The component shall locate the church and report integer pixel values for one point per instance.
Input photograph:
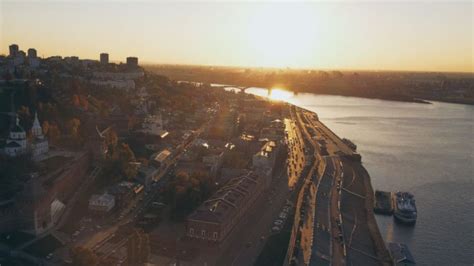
(17, 143)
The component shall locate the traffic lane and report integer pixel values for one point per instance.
(322, 226)
(359, 244)
(322, 236)
(336, 223)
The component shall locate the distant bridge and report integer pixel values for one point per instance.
(240, 88)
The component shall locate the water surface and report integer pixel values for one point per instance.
(426, 149)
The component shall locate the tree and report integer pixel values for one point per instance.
(45, 127)
(111, 138)
(53, 133)
(75, 100)
(188, 191)
(73, 127)
(25, 116)
(118, 164)
(84, 103)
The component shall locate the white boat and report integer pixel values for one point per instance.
(405, 207)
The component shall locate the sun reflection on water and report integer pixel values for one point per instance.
(278, 94)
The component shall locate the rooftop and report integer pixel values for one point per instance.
(224, 203)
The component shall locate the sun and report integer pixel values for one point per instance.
(278, 94)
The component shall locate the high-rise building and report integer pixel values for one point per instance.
(32, 53)
(13, 50)
(132, 61)
(104, 58)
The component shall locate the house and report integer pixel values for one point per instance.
(103, 203)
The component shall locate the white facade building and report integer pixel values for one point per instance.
(17, 143)
(39, 144)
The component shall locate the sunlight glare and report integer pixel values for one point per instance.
(278, 94)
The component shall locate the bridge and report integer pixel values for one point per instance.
(239, 88)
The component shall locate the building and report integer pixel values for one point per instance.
(217, 216)
(274, 132)
(14, 50)
(213, 160)
(33, 62)
(115, 84)
(132, 61)
(34, 205)
(104, 58)
(161, 159)
(265, 158)
(32, 53)
(16, 143)
(39, 144)
(101, 203)
(146, 175)
(39, 205)
(125, 192)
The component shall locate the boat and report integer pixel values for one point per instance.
(405, 208)
(400, 254)
(383, 203)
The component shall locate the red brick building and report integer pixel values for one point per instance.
(215, 218)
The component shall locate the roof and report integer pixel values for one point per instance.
(12, 144)
(162, 156)
(225, 203)
(102, 197)
(400, 253)
(17, 129)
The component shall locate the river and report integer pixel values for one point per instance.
(426, 149)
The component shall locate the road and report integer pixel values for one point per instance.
(344, 228)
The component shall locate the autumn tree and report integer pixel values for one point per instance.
(73, 127)
(187, 191)
(118, 164)
(45, 126)
(53, 133)
(75, 100)
(25, 116)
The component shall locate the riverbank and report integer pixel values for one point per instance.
(385, 85)
(395, 140)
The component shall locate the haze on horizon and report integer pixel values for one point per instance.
(404, 35)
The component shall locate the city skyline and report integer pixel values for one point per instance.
(405, 36)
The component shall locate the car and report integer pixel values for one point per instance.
(278, 222)
(282, 215)
(276, 229)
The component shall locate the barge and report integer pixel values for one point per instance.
(383, 202)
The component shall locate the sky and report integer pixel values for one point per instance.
(400, 35)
